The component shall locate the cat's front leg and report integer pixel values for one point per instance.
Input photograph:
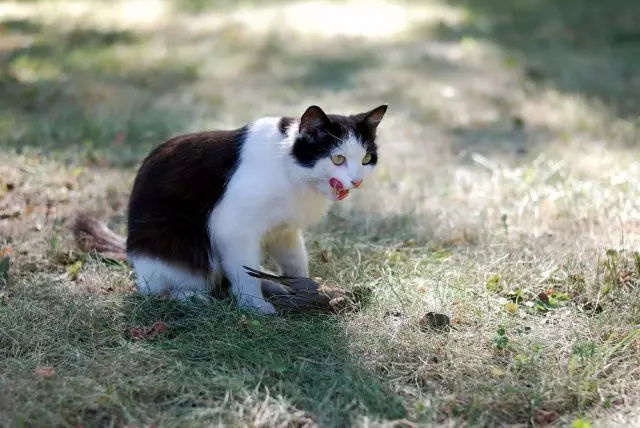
(286, 246)
(234, 253)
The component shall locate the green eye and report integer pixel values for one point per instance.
(337, 159)
(366, 159)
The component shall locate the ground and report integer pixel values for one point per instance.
(507, 197)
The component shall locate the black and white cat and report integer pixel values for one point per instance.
(204, 205)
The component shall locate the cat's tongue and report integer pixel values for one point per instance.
(338, 187)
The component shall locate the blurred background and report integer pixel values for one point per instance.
(527, 109)
(506, 79)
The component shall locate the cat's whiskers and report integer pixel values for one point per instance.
(337, 138)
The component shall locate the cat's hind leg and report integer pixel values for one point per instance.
(156, 277)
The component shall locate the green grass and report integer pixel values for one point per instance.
(506, 198)
(209, 367)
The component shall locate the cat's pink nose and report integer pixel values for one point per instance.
(356, 183)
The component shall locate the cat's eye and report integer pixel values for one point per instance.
(338, 159)
(366, 159)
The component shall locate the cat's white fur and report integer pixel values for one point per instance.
(269, 201)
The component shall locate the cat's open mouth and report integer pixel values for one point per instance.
(339, 192)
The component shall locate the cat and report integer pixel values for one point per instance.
(205, 205)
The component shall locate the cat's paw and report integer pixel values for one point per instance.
(258, 305)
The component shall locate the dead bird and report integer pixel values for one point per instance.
(302, 294)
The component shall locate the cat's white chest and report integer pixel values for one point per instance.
(307, 208)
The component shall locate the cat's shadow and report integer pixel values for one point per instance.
(304, 359)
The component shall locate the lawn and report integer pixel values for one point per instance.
(507, 197)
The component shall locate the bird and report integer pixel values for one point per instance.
(302, 294)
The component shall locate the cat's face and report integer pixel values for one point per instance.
(337, 152)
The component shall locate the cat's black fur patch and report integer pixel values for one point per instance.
(312, 146)
(175, 190)
(284, 124)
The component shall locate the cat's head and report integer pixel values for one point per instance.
(336, 152)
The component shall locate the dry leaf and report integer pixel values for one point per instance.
(137, 333)
(44, 372)
(497, 372)
(544, 417)
(512, 308)
(543, 297)
(432, 320)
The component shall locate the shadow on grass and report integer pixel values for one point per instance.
(305, 360)
(196, 6)
(75, 91)
(587, 48)
(212, 365)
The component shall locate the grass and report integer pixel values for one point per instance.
(506, 198)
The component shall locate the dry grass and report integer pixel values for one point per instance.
(509, 169)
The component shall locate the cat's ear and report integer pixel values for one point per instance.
(372, 118)
(313, 120)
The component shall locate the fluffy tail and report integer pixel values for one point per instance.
(92, 234)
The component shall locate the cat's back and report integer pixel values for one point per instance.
(181, 162)
(176, 187)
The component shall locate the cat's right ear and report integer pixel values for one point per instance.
(313, 120)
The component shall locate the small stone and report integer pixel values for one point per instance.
(432, 320)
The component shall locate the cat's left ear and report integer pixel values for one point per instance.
(373, 117)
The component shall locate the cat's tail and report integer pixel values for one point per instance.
(92, 234)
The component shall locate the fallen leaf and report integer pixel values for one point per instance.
(511, 307)
(497, 372)
(44, 372)
(432, 320)
(544, 297)
(544, 417)
(325, 255)
(160, 327)
(74, 269)
(5, 251)
(580, 423)
(134, 333)
(137, 333)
